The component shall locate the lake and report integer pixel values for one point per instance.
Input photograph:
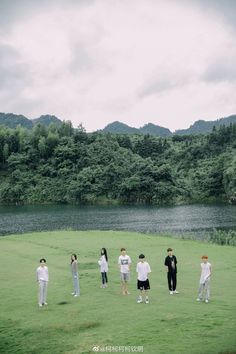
(187, 219)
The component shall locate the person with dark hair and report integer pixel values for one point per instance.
(124, 262)
(171, 268)
(143, 269)
(103, 262)
(75, 275)
(42, 279)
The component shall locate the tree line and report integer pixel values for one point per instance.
(60, 164)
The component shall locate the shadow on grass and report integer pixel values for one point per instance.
(89, 325)
(63, 303)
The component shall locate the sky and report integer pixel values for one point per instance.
(166, 62)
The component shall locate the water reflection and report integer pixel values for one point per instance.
(177, 220)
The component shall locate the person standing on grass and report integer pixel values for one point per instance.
(143, 269)
(171, 268)
(75, 275)
(124, 262)
(103, 262)
(42, 279)
(204, 286)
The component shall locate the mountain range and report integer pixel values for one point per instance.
(13, 120)
(199, 127)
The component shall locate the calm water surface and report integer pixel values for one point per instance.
(175, 220)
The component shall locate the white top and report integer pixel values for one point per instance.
(103, 264)
(143, 268)
(124, 262)
(42, 273)
(205, 273)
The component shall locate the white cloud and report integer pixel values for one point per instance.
(133, 61)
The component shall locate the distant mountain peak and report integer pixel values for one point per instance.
(47, 119)
(149, 128)
(154, 129)
(120, 128)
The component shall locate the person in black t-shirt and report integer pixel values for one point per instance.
(171, 268)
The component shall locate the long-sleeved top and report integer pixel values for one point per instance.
(103, 264)
(42, 273)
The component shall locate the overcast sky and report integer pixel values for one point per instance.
(168, 62)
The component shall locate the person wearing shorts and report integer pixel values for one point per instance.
(124, 262)
(143, 269)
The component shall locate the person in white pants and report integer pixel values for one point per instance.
(42, 279)
(204, 286)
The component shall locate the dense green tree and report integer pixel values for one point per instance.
(65, 165)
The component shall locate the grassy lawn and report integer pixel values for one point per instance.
(103, 317)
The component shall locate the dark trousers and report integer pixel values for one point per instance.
(104, 277)
(172, 280)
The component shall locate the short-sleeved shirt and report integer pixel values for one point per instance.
(205, 272)
(143, 268)
(171, 262)
(124, 262)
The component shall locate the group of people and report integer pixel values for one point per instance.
(124, 263)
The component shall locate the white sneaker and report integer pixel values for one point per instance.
(176, 292)
(206, 301)
(147, 301)
(199, 299)
(76, 295)
(139, 300)
(72, 294)
(40, 305)
(45, 304)
(171, 292)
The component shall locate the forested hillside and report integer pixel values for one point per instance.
(65, 165)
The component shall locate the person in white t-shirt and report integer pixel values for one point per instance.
(42, 279)
(143, 269)
(124, 263)
(204, 286)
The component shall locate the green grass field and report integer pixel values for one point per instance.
(103, 318)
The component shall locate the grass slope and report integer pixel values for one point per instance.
(103, 317)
